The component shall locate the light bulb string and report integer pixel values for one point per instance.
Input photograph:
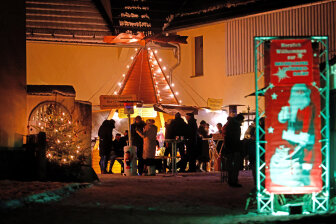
(125, 78)
(99, 89)
(115, 84)
(165, 77)
(193, 90)
(156, 91)
(142, 56)
(185, 89)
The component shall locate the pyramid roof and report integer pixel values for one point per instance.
(147, 80)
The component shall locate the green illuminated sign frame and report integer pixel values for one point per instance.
(317, 202)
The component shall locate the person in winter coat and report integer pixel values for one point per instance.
(105, 143)
(191, 142)
(168, 146)
(125, 137)
(204, 157)
(117, 151)
(220, 131)
(178, 128)
(149, 138)
(233, 149)
(137, 141)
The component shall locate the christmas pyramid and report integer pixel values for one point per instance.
(147, 80)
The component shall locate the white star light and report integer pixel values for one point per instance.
(270, 129)
(274, 96)
(281, 73)
(299, 55)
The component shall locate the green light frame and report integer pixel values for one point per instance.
(320, 200)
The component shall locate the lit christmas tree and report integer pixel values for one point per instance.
(64, 145)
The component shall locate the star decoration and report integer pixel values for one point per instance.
(270, 129)
(281, 73)
(299, 55)
(274, 96)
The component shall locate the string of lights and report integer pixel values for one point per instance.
(160, 79)
(122, 82)
(164, 90)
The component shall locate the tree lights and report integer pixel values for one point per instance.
(64, 142)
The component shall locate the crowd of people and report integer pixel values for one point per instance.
(193, 146)
(143, 136)
(194, 150)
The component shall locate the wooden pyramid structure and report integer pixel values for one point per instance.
(147, 80)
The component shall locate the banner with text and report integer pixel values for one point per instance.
(292, 121)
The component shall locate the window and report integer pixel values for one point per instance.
(199, 56)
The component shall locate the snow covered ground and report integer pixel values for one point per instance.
(186, 198)
(10, 189)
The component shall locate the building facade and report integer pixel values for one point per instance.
(228, 56)
(217, 62)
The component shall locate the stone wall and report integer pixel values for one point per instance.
(83, 115)
(80, 111)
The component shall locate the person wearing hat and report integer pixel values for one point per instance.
(191, 143)
(233, 149)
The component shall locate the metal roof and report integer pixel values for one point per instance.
(199, 12)
(146, 16)
(88, 21)
(64, 90)
(75, 21)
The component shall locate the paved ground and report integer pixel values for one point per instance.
(189, 198)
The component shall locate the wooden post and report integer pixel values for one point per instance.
(41, 156)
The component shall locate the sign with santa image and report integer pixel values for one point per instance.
(292, 117)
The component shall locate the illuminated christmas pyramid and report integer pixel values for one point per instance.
(146, 77)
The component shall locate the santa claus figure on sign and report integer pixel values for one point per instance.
(294, 160)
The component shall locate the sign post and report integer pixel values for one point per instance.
(114, 101)
(130, 155)
(129, 109)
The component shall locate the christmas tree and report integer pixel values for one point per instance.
(64, 145)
